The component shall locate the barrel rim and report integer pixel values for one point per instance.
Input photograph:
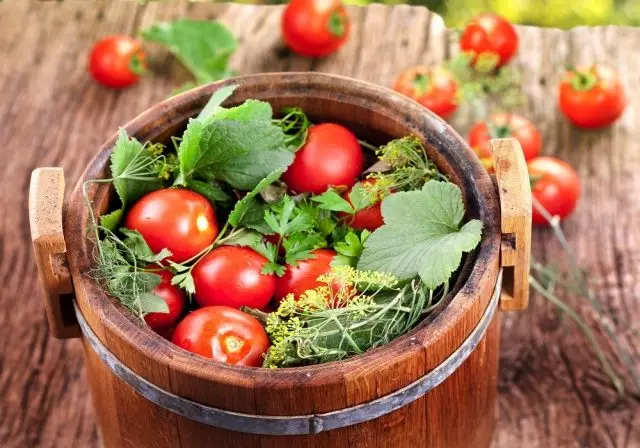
(443, 143)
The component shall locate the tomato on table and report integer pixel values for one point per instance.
(434, 88)
(315, 28)
(180, 220)
(297, 279)
(490, 35)
(369, 218)
(591, 97)
(231, 276)
(116, 61)
(503, 125)
(224, 334)
(175, 299)
(331, 156)
(556, 187)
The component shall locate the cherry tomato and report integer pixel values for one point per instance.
(506, 125)
(491, 34)
(315, 28)
(592, 97)
(231, 276)
(331, 157)
(436, 89)
(174, 298)
(113, 61)
(369, 218)
(556, 187)
(180, 220)
(224, 334)
(303, 276)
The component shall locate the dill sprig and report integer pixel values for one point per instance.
(328, 323)
(409, 168)
(118, 270)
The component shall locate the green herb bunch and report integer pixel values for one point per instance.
(367, 310)
(383, 282)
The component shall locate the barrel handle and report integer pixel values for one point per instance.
(46, 196)
(514, 190)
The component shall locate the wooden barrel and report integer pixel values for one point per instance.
(435, 386)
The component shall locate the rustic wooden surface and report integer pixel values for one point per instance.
(551, 393)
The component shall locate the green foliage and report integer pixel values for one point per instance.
(324, 324)
(119, 268)
(409, 168)
(421, 235)
(203, 47)
(239, 146)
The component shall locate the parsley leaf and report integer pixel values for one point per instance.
(350, 249)
(202, 46)
(270, 252)
(331, 200)
(285, 218)
(421, 235)
(298, 246)
(185, 281)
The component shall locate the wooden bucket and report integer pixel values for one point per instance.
(435, 386)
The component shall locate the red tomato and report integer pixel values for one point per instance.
(111, 61)
(180, 220)
(230, 276)
(436, 89)
(492, 34)
(556, 187)
(369, 218)
(331, 157)
(506, 125)
(592, 97)
(174, 298)
(315, 28)
(303, 276)
(223, 334)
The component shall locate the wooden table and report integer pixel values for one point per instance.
(552, 391)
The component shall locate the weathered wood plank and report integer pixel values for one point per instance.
(551, 390)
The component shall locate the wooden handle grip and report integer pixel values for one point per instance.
(46, 195)
(514, 189)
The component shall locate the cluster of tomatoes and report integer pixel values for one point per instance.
(591, 97)
(228, 277)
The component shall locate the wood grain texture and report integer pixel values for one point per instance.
(551, 390)
(514, 189)
(46, 195)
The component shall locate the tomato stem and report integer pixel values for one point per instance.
(137, 65)
(421, 82)
(336, 24)
(583, 81)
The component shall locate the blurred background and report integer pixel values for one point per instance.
(549, 13)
